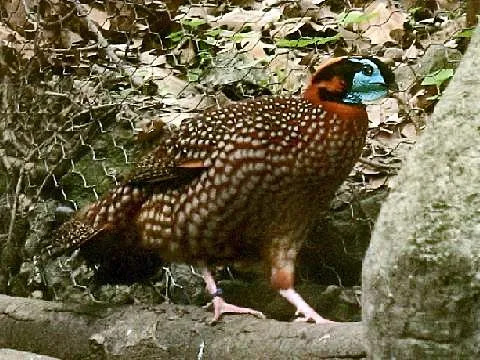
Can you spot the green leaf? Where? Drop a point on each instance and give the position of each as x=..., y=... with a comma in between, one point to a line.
x=465, y=33
x=438, y=77
x=354, y=17
x=176, y=36
x=414, y=10
x=306, y=41
x=205, y=57
x=193, y=23
x=194, y=75
x=239, y=36
x=213, y=32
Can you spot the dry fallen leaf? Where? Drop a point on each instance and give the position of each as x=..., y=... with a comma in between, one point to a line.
x=384, y=112
x=412, y=52
x=7, y=35
x=292, y=75
x=148, y=58
x=190, y=103
x=16, y=14
x=70, y=38
x=409, y=131
x=287, y=27
x=375, y=182
x=384, y=19
x=100, y=18
x=238, y=19
x=164, y=79
x=386, y=141
x=176, y=119
x=14, y=40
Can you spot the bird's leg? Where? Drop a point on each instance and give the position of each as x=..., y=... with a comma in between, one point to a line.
x=282, y=280
x=219, y=305
x=302, y=307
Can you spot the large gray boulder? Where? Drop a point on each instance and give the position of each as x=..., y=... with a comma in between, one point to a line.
x=421, y=274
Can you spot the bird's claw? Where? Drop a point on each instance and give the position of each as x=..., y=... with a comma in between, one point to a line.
x=311, y=316
x=221, y=307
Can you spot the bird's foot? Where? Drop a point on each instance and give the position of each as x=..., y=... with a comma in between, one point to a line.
x=311, y=315
x=221, y=307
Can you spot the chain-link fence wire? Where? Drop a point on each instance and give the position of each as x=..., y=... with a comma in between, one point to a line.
x=87, y=87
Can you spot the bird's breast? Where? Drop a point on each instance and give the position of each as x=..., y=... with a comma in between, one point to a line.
x=330, y=145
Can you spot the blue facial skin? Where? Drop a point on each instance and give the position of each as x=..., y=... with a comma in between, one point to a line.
x=367, y=85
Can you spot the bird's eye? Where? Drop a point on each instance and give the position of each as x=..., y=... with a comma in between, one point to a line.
x=367, y=70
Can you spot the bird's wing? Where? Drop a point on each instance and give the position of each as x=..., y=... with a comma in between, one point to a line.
x=184, y=153
x=196, y=144
x=159, y=166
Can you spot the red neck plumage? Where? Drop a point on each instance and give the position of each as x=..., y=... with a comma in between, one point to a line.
x=343, y=110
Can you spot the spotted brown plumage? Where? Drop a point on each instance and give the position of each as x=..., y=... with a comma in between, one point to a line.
x=243, y=182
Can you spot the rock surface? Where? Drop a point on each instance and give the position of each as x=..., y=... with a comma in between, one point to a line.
x=421, y=275
x=10, y=354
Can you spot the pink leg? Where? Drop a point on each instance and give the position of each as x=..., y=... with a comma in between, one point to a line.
x=303, y=308
x=219, y=305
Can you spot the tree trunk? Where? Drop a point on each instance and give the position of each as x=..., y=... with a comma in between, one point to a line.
x=166, y=331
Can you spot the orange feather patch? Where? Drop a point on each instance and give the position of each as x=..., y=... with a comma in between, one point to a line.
x=192, y=164
x=345, y=111
x=281, y=279
x=334, y=85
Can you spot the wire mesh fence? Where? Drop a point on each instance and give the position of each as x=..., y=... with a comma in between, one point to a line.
x=89, y=86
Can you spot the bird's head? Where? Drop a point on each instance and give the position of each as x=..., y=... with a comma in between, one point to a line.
x=351, y=80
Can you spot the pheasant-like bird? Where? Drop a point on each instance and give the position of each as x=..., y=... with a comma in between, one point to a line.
x=244, y=182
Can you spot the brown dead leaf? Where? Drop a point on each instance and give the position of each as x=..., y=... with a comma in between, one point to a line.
x=287, y=27
x=153, y=130
x=190, y=103
x=238, y=18
x=14, y=40
x=7, y=35
x=317, y=10
x=70, y=38
x=386, y=141
x=191, y=11
x=294, y=74
x=375, y=182
x=148, y=58
x=187, y=53
x=412, y=52
x=176, y=119
x=384, y=112
x=164, y=79
x=16, y=14
x=375, y=117
x=99, y=17
x=369, y=171
x=250, y=43
x=409, y=131
x=385, y=18
x=257, y=51
x=355, y=42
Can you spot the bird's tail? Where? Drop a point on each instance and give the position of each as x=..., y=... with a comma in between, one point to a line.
x=106, y=235
x=111, y=214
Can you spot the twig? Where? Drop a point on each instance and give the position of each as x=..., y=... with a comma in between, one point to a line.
x=51, y=24
x=13, y=212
